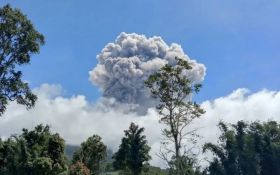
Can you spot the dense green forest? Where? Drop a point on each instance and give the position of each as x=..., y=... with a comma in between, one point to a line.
x=243, y=149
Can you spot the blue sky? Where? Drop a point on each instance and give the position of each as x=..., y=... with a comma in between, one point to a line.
x=238, y=41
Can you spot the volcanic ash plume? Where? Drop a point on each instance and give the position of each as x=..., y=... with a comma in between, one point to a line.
x=125, y=64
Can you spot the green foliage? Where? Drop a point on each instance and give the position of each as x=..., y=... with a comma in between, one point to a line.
x=251, y=149
x=133, y=153
x=78, y=169
x=172, y=87
x=18, y=41
x=70, y=150
x=151, y=170
x=93, y=154
x=33, y=152
x=187, y=166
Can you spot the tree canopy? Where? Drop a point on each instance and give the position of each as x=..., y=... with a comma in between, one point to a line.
x=18, y=41
x=251, y=149
x=78, y=169
x=133, y=153
x=33, y=152
x=92, y=154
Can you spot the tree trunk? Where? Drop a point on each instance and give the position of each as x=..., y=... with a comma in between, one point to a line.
x=176, y=143
x=177, y=155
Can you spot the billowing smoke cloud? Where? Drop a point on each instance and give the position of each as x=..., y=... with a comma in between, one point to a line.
x=126, y=63
x=75, y=118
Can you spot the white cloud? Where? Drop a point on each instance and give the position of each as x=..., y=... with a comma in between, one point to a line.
x=239, y=105
x=76, y=119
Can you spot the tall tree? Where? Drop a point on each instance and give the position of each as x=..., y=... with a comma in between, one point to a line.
x=92, y=154
x=172, y=87
x=133, y=153
x=33, y=152
x=18, y=41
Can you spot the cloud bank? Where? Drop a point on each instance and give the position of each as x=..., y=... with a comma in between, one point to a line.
x=76, y=119
x=239, y=105
x=127, y=62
